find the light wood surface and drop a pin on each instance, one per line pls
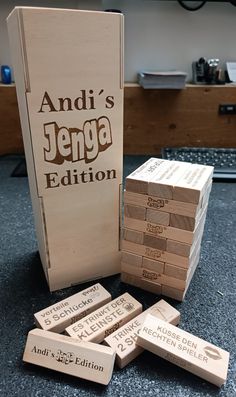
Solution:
(123, 341)
(64, 354)
(64, 313)
(98, 325)
(72, 122)
(153, 119)
(184, 349)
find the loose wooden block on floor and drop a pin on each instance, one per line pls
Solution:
(64, 354)
(62, 314)
(101, 323)
(123, 341)
(184, 349)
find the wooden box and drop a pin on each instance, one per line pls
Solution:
(68, 67)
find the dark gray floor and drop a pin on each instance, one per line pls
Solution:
(208, 310)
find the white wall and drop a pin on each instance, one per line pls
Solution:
(158, 34)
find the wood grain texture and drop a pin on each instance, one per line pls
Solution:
(123, 340)
(102, 322)
(159, 217)
(64, 354)
(167, 118)
(57, 317)
(133, 235)
(10, 129)
(160, 204)
(141, 283)
(133, 211)
(184, 349)
(153, 119)
(131, 259)
(60, 122)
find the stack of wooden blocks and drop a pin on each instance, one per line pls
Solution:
(165, 205)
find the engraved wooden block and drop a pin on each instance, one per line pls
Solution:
(138, 180)
(162, 279)
(133, 211)
(64, 313)
(153, 229)
(162, 183)
(155, 242)
(64, 354)
(193, 184)
(184, 349)
(159, 255)
(153, 265)
(71, 110)
(159, 217)
(133, 235)
(123, 341)
(132, 259)
(160, 204)
(102, 322)
(141, 283)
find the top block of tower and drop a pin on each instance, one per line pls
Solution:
(192, 186)
(172, 180)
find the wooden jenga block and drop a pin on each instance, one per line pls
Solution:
(153, 265)
(123, 341)
(160, 204)
(178, 248)
(131, 259)
(159, 217)
(162, 183)
(141, 283)
(175, 271)
(182, 222)
(193, 184)
(179, 294)
(156, 254)
(101, 323)
(134, 211)
(162, 279)
(133, 235)
(131, 269)
(173, 293)
(184, 349)
(153, 229)
(64, 313)
(64, 354)
(138, 180)
(154, 242)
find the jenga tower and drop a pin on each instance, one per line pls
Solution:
(165, 205)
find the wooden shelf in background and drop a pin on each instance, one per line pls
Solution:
(152, 119)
